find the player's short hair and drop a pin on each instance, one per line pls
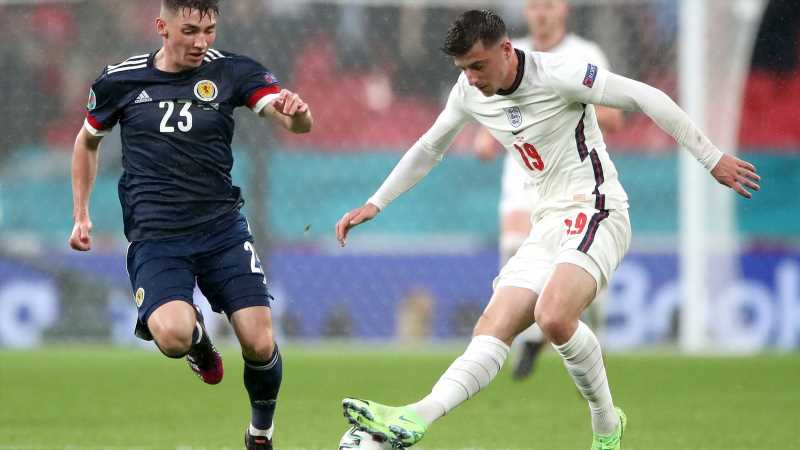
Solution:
(472, 26)
(206, 7)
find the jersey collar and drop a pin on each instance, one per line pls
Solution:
(151, 64)
(518, 78)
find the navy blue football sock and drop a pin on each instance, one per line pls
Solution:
(263, 381)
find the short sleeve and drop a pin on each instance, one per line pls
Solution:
(575, 79)
(257, 86)
(102, 111)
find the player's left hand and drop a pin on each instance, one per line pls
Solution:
(289, 104)
(736, 174)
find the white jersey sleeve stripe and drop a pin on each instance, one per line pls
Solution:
(265, 100)
(132, 59)
(92, 130)
(128, 63)
(126, 68)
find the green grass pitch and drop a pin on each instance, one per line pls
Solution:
(112, 399)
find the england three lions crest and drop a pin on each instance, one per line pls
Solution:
(514, 116)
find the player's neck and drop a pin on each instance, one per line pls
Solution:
(165, 62)
(512, 73)
(545, 43)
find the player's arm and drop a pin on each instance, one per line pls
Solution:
(289, 111)
(609, 119)
(417, 162)
(630, 95)
(585, 83)
(84, 172)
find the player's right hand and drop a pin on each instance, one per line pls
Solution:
(81, 239)
(353, 218)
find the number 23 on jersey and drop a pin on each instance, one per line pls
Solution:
(185, 121)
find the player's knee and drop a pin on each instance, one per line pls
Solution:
(554, 324)
(259, 348)
(174, 348)
(172, 340)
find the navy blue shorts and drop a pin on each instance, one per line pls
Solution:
(222, 261)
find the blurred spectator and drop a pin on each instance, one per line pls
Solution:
(375, 74)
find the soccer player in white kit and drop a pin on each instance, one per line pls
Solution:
(539, 106)
(547, 22)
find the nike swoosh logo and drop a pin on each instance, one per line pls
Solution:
(404, 419)
(518, 131)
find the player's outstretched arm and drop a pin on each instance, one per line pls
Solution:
(289, 111)
(631, 95)
(412, 167)
(415, 164)
(354, 218)
(84, 171)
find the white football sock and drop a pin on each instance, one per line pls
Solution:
(584, 362)
(263, 433)
(468, 374)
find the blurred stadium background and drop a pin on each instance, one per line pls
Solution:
(375, 79)
(706, 273)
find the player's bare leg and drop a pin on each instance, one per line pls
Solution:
(263, 371)
(510, 311)
(567, 293)
(178, 330)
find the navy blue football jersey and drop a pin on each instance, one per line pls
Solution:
(176, 133)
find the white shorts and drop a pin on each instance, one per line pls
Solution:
(517, 191)
(595, 240)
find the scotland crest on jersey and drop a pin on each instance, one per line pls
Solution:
(514, 116)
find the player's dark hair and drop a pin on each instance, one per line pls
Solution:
(206, 7)
(470, 27)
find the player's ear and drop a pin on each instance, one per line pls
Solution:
(507, 48)
(161, 27)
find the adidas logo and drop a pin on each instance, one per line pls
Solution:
(143, 98)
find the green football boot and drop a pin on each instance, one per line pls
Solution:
(401, 426)
(612, 441)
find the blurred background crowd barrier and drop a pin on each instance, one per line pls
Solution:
(375, 79)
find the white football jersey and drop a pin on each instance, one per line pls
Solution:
(515, 195)
(547, 123)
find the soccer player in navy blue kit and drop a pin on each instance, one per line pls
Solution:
(180, 208)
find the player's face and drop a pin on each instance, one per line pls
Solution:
(546, 17)
(188, 35)
(487, 69)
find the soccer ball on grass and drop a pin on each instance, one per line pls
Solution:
(354, 439)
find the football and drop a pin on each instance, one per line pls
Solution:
(359, 439)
